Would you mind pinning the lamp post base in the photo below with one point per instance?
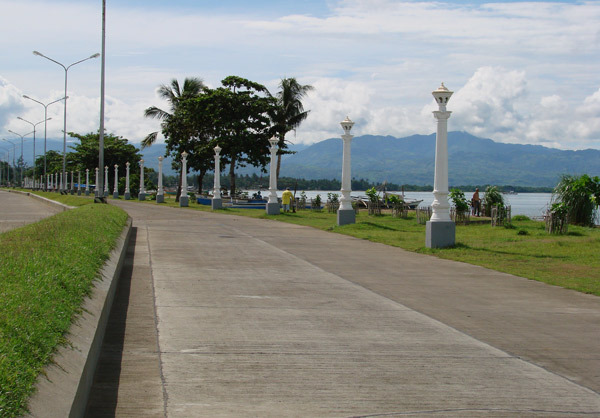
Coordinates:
(87, 192)
(115, 195)
(346, 216)
(184, 201)
(160, 198)
(216, 204)
(78, 192)
(273, 208)
(142, 196)
(440, 234)
(127, 196)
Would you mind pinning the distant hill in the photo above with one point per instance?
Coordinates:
(472, 160)
(410, 160)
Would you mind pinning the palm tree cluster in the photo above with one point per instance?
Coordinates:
(240, 117)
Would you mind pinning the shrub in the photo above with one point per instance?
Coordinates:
(580, 196)
(522, 232)
(492, 198)
(521, 218)
(459, 200)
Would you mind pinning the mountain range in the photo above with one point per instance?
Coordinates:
(410, 160)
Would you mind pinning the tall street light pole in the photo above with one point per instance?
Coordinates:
(22, 161)
(14, 170)
(45, 124)
(64, 167)
(102, 77)
(33, 125)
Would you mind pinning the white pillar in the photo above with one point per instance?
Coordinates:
(87, 181)
(183, 199)
(56, 182)
(116, 188)
(60, 187)
(72, 184)
(105, 181)
(127, 195)
(142, 195)
(160, 194)
(216, 202)
(273, 203)
(97, 192)
(345, 213)
(78, 182)
(441, 230)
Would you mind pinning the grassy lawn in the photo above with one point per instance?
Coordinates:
(525, 249)
(47, 269)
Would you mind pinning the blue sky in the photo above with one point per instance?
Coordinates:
(522, 72)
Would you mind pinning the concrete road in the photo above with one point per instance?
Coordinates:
(229, 316)
(17, 210)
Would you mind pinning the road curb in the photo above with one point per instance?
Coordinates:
(62, 389)
(43, 199)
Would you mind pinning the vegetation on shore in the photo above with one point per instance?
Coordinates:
(47, 269)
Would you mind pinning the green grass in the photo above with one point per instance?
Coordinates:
(570, 261)
(46, 270)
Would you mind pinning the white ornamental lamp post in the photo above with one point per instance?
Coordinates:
(217, 202)
(105, 181)
(116, 189)
(78, 182)
(183, 199)
(97, 192)
(87, 181)
(127, 195)
(142, 195)
(440, 230)
(160, 194)
(273, 202)
(56, 186)
(48, 182)
(345, 213)
(72, 184)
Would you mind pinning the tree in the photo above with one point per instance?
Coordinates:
(53, 162)
(579, 195)
(242, 127)
(117, 150)
(288, 112)
(175, 139)
(192, 87)
(492, 198)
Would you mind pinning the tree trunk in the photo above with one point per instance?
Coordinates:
(281, 143)
(232, 178)
(179, 187)
(200, 180)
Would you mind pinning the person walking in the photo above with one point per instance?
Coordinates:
(286, 198)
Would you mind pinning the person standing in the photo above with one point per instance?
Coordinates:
(286, 198)
(476, 203)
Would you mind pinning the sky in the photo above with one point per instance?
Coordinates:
(521, 72)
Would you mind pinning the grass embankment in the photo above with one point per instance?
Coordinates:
(46, 270)
(524, 249)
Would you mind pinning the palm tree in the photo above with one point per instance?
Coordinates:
(288, 113)
(191, 87)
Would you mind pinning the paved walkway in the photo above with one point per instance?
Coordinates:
(226, 316)
(17, 210)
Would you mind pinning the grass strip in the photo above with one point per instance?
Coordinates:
(46, 270)
(523, 249)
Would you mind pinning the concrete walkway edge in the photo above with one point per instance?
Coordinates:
(43, 199)
(63, 388)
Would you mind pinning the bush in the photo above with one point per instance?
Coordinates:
(459, 200)
(580, 196)
(521, 218)
(492, 198)
(522, 232)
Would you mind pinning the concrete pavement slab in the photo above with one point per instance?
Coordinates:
(17, 210)
(260, 318)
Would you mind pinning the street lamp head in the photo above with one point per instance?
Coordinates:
(347, 125)
(96, 55)
(217, 149)
(184, 154)
(273, 141)
(39, 54)
(160, 158)
(442, 95)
